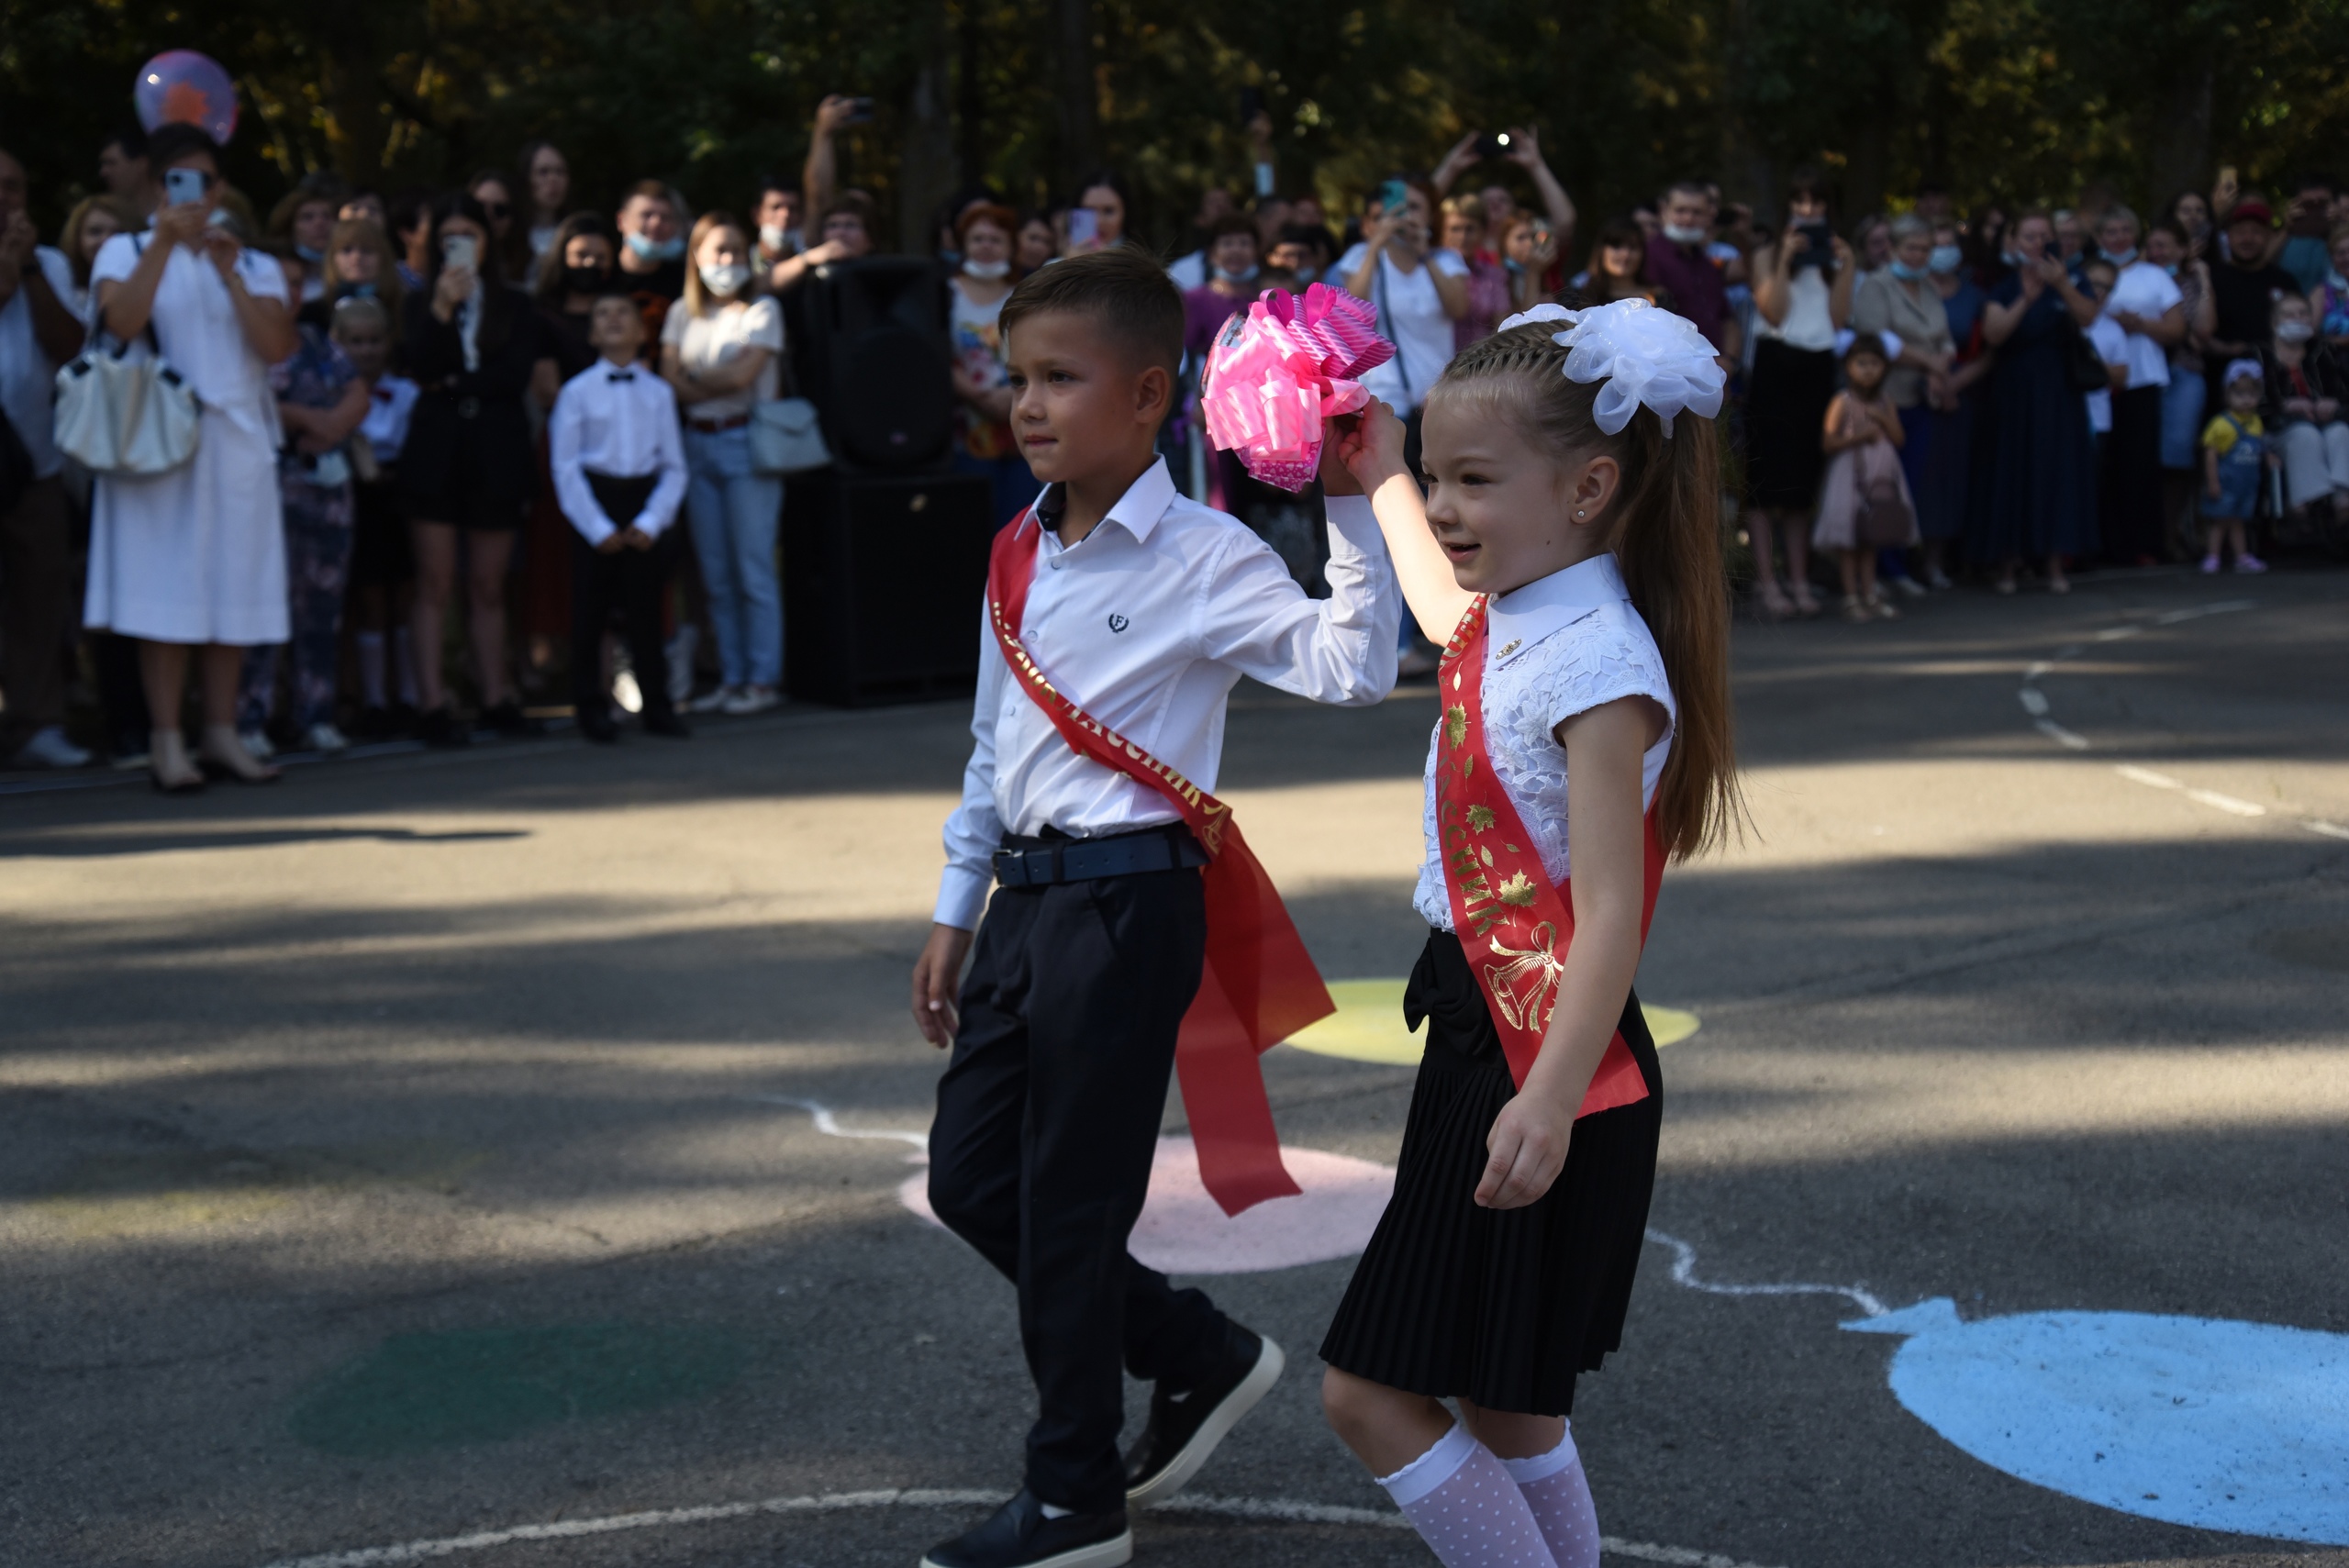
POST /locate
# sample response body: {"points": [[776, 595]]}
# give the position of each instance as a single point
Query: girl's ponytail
{"points": [[1667, 539]]}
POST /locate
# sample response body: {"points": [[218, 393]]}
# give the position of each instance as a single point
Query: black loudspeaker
{"points": [[877, 362], [883, 579]]}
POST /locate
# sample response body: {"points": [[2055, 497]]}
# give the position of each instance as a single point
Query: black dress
{"points": [[1502, 1306], [1786, 408], [2040, 499], [468, 460]]}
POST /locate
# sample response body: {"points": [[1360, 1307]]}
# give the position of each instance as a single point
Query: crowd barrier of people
{"points": [[437, 466]]}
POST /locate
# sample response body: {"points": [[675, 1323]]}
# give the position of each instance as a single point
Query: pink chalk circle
{"points": [[179, 85], [1183, 1232]]}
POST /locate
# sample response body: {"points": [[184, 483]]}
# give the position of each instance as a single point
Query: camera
{"points": [[859, 112], [1491, 147], [1819, 249]]}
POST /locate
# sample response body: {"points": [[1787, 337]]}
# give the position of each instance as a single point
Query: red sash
{"points": [[1259, 985], [1514, 926]]}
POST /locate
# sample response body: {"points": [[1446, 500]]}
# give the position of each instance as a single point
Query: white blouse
{"points": [[1563, 645]]}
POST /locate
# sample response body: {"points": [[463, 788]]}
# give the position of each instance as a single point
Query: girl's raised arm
{"points": [[1361, 454]]}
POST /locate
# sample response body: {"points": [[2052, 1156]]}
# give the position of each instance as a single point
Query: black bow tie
{"points": [[622, 375]]}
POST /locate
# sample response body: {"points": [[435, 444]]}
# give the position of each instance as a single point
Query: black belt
{"points": [[1041, 862]]}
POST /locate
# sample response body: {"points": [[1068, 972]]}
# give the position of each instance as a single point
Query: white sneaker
{"points": [[48, 747], [626, 692], [256, 744], [325, 738], [1910, 586], [680, 651], [715, 702], [752, 699]]}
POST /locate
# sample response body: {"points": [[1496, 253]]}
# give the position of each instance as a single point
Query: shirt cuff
{"points": [[1354, 523], [961, 897]]}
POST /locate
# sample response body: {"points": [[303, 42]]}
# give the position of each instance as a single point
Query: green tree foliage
{"points": [[2012, 100]]}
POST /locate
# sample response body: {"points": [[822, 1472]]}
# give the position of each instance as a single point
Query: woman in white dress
{"points": [[195, 557]]}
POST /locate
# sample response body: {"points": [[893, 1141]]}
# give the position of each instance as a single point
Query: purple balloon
{"points": [[181, 84]]}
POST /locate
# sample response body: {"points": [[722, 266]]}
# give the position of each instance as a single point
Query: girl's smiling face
{"points": [[1503, 508]]}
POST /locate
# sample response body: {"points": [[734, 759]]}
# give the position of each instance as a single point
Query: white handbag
{"points": [[126, 418], [786, 437]]}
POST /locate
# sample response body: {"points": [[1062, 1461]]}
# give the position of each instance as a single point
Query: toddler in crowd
{"points": [[619, 473], [383, 571], [2235, 456], [1863, 503]]}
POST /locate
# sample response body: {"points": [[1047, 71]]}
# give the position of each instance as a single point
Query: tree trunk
{"points": [[970, 100], [1080, 114], [926, 178], [2180, 143]]}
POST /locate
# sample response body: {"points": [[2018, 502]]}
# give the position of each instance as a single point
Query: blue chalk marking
{"points": [[2207, 1422]]}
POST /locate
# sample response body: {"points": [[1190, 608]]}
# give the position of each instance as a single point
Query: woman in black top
{"points": [[577, 267], [474, 346]]}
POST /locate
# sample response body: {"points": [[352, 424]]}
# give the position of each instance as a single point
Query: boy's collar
{"points": [[606, 363], [1138, 510]]}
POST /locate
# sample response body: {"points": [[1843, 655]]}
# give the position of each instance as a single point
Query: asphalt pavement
{"points": [[486, 1156]]}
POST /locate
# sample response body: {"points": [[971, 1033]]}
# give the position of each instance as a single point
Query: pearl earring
{"points": [[1577, 513]]}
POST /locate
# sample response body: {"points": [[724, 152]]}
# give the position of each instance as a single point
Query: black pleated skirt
{"points": [[1786, 408], [1502, 1306]]}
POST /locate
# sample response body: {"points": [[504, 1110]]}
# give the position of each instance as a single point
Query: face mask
{"points": [[987, 271], [1944, 258], [2121, 258], [586, 279], [1905, 273], [2294, 332], [774, 239], [2170, 267], [644, 250], [725, 280], [309, 255], [1681, 235], [1236, 277]]}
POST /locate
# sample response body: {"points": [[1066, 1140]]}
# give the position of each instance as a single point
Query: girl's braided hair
{"points": [[1665, 528]]}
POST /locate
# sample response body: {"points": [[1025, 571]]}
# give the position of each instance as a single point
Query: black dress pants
{"points": [[627, 580], [1048, 1117]]}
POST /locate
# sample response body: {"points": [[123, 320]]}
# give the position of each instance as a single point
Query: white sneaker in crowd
{"points": [[325, 739], [714, 702], [626, 693], [680, 651], [1910, 586], [256, 744], [48, 747], [752, 699]]}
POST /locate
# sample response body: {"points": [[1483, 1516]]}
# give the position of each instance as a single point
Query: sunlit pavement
{"points": [[413, 1150]]}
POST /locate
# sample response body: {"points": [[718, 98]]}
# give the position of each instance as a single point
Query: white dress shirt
{"points": [[1559, 646], [619, 421], [1146, 624], [2143, 289]]}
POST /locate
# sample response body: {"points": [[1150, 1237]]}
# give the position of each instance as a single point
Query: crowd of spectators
{"points": [[370, 541]]}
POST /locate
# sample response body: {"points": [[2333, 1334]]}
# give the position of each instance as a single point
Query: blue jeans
{"points": [[2182, 420], [734, 514]]}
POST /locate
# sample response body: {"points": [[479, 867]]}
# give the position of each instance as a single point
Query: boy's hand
{"points": [[637, 539], [611, 544], [937, 976], [1335, 479], [1528, 1143]]}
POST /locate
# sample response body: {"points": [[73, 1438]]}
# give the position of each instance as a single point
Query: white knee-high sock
{"points": [[1464, 1505], [1559, 1494]]}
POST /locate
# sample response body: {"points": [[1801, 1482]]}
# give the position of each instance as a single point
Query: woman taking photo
{"points": [[195, 557], [2039, 503], [721, 349], [474, 346], [1803, 280], [1417, 294], [546, 175], [982, 441], [1098, 221]]}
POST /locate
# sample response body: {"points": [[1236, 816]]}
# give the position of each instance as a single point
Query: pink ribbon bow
{"points": [[1278, 371]]}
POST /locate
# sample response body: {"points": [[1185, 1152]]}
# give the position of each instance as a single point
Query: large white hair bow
{"points": [[1647, 357]]}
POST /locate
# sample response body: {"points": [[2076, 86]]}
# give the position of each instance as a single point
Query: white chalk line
{"points": [[1684, 1271], [1279, 1510], [829, 1124]]}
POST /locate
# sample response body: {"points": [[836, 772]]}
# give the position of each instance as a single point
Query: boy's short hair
{"points": [[1128, 294]]}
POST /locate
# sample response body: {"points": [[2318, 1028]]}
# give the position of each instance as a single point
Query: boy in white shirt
{"points": [[619, 473], [1089, 800]]}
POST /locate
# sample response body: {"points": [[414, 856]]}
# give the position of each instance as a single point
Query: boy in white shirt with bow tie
{"points": [[1142, 609], [619, 473]]}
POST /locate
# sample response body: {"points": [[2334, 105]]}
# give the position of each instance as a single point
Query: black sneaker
{"points": [[441, 727], [1019, 1536], [1186, 1424]]}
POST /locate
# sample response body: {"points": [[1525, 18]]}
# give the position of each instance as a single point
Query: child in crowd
{"points": [[1863, 501], [1569, 549], [619, 471], [320, 403], [2234, 458], [383, 571], [1141, 609]]}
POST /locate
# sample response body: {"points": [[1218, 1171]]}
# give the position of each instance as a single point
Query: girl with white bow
{"points": [[1568, 554]]}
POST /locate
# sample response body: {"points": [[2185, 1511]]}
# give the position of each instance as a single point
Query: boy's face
{"points": [[365, 346], [1079, 399], [2243, 396], [616, 328]]}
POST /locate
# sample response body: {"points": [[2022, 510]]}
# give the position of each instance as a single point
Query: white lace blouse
{"points": [[1554, 648]]}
